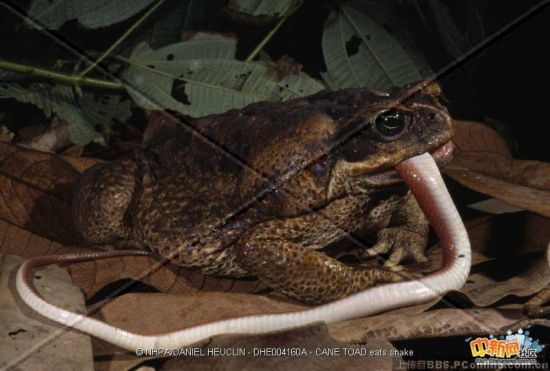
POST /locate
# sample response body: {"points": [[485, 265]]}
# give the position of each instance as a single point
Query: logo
{"points": [[509, 349]]}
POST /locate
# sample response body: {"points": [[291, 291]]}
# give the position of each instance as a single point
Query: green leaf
{"points": [[264, 7], [382, 13], [82, 114], [6, 75], [39, 97], [360, 52], [53, 14], [104, 109], [66, 107], [209, 77]]}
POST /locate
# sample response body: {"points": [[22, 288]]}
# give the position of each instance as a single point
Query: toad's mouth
{"points": [[442, 156]]}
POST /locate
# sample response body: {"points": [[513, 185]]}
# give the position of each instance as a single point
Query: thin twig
{"points": [[59, 76], [289, 11], [266, 39]]}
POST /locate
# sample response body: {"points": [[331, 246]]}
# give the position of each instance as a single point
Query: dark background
{"points": [[503, 85]]}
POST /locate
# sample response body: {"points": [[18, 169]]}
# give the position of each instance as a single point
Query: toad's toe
{"points": [[401, 245]]}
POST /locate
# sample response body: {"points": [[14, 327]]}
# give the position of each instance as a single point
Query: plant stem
{"points": [[266, 39], [59, 76], [138, 23]]}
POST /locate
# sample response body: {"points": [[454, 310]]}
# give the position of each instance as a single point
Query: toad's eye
{"points": [[390, 123]]}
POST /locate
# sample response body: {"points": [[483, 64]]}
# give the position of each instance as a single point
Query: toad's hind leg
{"points": [[305, 274]]}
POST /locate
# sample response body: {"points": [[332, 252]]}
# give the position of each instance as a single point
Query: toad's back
{"points": [[193, 174]]}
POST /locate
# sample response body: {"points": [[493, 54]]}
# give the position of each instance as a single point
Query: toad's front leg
{"points": [[405, 237], [304, 274]]}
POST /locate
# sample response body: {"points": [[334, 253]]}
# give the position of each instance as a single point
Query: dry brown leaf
{"points": [[475, 137], [534, 174], [483, 163], [24, 333], [490, 281], [311, 339], [507, 256], [519, 233], [542, 298], [139, 312], [18, 241], [528, 198], [80, 164], [117, 362], [35, 189], [434, 323], [528, 322], [55, 137], [92, 276]]}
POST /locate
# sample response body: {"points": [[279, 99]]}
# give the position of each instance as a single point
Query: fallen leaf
{"points": [[138, 312], [307, 342], [484, 163], [55, 137], [534, 174], [521, 276], [18, 241], [35, 189], [494, 206], [507, 256], [507, 234], [521, 196], [28, 342], [80, 164], [95, 275], [434, 323], [542, 297], [475, 137], [527, 322]]}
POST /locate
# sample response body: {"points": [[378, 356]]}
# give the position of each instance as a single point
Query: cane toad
{"points": [[259, 190]]}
